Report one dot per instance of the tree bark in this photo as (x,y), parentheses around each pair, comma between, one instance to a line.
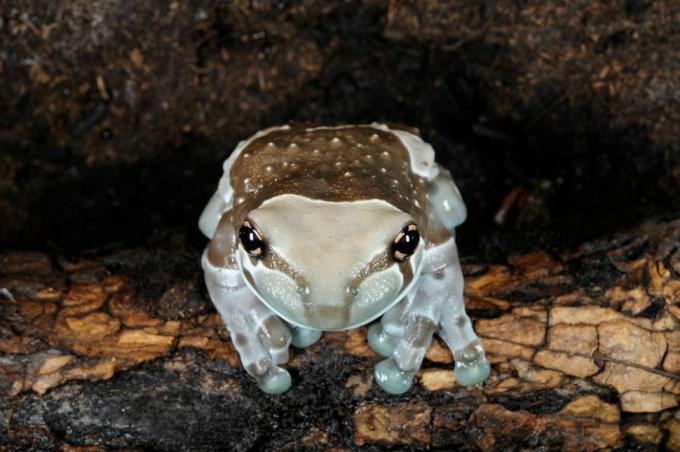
(564,113)
(124,350)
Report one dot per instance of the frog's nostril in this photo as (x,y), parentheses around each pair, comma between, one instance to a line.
(302,289)
(353,291)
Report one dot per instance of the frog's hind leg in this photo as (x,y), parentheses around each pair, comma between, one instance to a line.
(259,336)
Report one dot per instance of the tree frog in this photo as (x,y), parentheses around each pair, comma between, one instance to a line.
(318,229)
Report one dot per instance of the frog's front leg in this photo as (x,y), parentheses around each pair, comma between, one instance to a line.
(436,305)
(260,337)
(455,327)
(404,334)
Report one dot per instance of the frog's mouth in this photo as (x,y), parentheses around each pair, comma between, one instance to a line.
(342,306)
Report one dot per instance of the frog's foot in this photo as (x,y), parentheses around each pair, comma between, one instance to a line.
(304,337)
(276,381)
(258,362)
(391,378)
(395,374)
(262,349)
(383,336)
(259,336)
(472,367)
(381,342)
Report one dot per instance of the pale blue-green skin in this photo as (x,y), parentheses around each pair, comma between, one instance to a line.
(304,337)
(403,335)
(276,383)
(396,381)
(279,381)
(468,375)
(391,378)
(382,344)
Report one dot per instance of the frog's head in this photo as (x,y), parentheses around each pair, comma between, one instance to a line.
(329,265)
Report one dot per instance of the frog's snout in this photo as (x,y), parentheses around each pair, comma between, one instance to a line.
(327,305)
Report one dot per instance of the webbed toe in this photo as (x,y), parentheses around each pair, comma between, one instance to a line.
(392,379)
(381,342)
(277,381)
(472,372)
(304,337)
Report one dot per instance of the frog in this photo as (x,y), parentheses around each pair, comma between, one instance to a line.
(330,228)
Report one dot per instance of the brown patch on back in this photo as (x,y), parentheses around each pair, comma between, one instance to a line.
(341,164)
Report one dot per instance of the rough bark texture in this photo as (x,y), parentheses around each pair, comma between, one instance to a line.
(124,350)
(559,121)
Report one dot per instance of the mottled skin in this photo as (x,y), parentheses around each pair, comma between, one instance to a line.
(329,204)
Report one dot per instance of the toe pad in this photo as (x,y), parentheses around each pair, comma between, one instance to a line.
(391,378)
(275,382)
(472,373)
(380,342)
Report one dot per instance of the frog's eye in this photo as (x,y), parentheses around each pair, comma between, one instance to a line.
(251,239)
(406,242)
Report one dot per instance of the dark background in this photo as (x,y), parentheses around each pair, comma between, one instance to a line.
(115,116)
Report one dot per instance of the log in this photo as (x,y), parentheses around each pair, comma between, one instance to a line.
(566,110)
(123,350)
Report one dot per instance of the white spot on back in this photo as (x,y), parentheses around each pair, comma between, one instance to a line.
(224,188)
(421,154)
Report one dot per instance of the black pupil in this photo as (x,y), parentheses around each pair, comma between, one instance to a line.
(249,239)
(408,243)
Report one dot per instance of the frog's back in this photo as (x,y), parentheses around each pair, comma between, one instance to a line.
(330,164)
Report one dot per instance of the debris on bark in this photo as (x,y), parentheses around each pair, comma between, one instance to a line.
(572,366)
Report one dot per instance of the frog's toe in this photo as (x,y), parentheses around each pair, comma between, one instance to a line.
(275,382)
(304,337)
(381,342)
(391,378)
(472,372)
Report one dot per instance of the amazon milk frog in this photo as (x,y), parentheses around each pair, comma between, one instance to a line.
(329,228)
